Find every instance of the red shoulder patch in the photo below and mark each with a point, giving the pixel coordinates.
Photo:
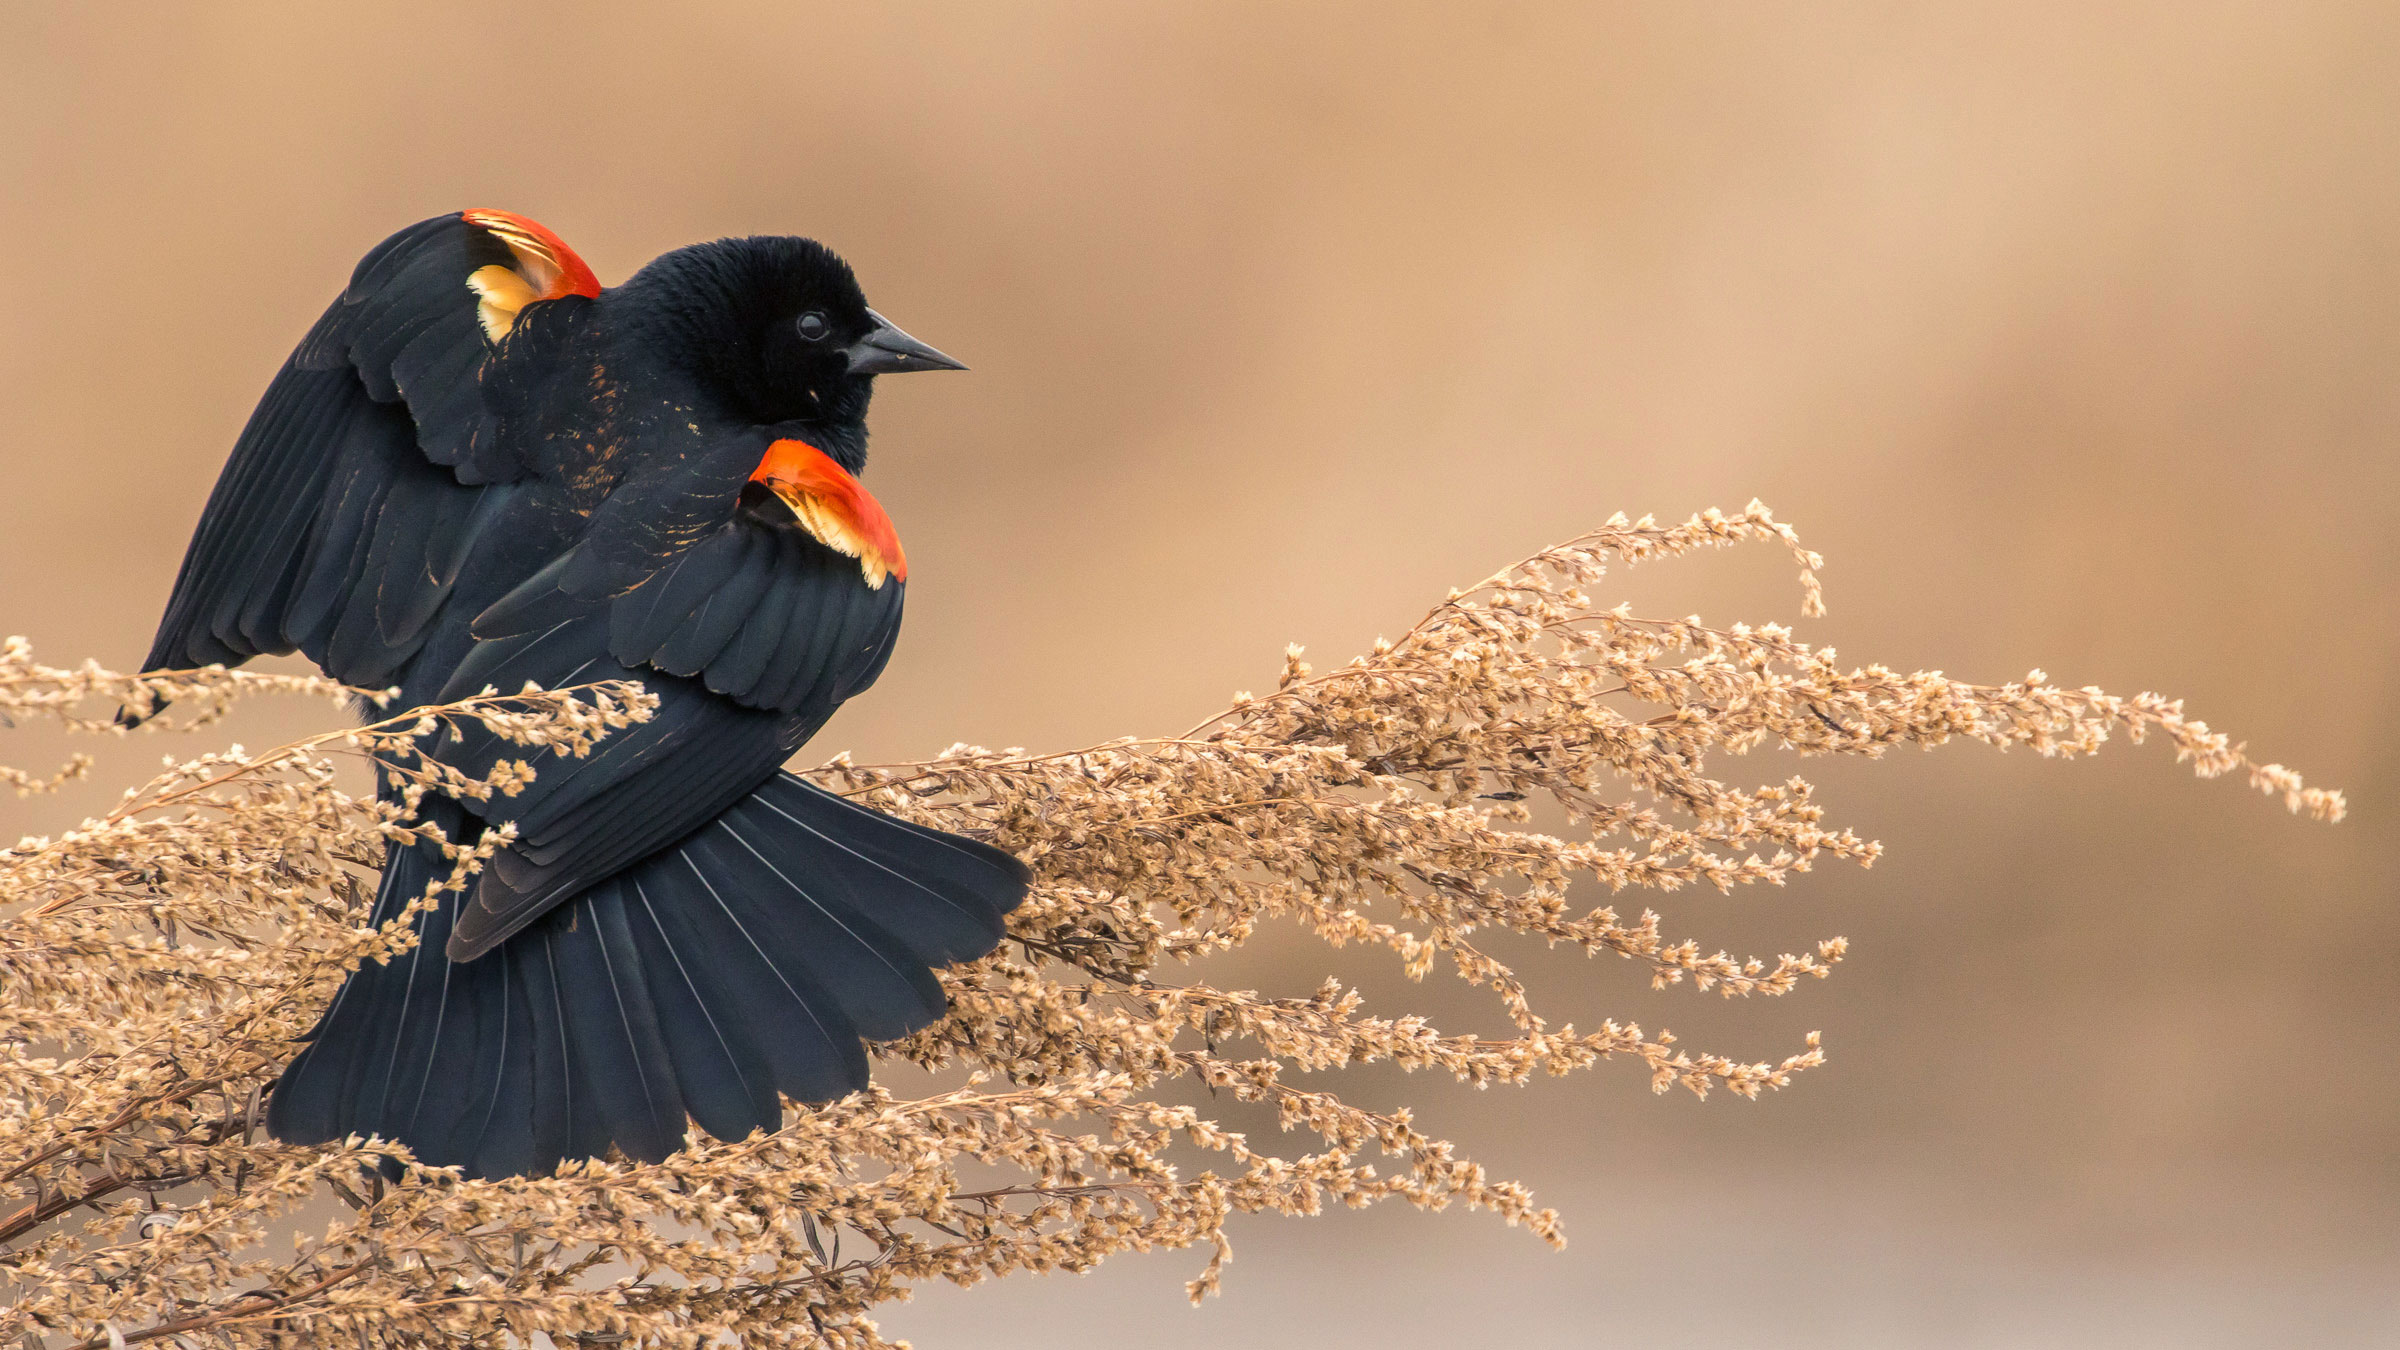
(546, 269)
(554, 269)
(834, 507)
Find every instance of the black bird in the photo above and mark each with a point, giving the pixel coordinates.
(479, 468)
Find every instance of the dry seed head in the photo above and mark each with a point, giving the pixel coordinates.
(160, 962)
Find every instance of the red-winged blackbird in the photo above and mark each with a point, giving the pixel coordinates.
(482, 468)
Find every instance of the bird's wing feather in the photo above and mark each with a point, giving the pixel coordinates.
(353, 494)
(831, 630)
(732, 705)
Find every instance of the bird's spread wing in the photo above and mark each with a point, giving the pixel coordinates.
(356, 489)
(788, 600)
(751, 638)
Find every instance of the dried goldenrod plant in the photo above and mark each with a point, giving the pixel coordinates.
(158, 964)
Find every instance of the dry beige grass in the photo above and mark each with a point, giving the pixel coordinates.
(159, 962)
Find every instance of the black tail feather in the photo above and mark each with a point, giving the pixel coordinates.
(728, 1084)
(551, 1095)
(740, 966)
(624, 1085)
(877, 985)
(321, 1083)
(811, 1051)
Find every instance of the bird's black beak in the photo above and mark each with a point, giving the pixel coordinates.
(888, 351)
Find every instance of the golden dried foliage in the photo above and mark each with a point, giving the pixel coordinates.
(159, 962)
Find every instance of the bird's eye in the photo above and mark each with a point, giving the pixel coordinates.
(813, 326)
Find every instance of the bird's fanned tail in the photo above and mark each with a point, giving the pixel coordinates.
(742, 964)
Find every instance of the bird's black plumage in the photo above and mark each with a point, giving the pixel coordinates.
(481, 468)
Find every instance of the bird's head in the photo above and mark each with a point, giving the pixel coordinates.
(777, 327)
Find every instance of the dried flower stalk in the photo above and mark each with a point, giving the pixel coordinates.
(160, 961)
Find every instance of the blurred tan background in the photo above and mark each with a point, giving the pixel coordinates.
(2067, 331)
